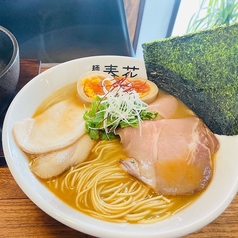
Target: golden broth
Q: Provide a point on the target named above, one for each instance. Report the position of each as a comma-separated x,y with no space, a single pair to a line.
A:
64,185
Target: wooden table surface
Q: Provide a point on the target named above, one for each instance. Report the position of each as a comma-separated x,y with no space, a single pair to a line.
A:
20,217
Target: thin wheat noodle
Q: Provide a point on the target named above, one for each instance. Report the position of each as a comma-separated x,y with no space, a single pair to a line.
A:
105,191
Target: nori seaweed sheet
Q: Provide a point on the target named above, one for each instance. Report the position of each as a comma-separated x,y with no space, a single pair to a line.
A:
201,69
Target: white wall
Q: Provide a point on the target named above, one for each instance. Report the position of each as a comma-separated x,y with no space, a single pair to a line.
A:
186,10
155,22
156,18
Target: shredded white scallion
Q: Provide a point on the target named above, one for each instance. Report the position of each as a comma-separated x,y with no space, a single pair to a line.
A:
122,106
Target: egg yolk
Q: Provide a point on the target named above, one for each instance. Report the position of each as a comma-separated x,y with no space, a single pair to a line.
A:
98,85
140,87
92,86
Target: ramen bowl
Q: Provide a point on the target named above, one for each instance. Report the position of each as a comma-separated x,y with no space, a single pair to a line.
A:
9,67
207,207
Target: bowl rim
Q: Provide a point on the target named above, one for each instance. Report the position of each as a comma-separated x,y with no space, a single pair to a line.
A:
98,228
15,50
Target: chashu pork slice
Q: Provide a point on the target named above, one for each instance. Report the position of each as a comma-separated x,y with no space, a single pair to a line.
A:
173,156
166,106
54,163
57,127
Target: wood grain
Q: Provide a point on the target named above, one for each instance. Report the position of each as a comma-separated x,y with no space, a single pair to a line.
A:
133,17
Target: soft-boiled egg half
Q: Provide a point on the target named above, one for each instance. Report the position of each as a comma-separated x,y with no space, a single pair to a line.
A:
93,84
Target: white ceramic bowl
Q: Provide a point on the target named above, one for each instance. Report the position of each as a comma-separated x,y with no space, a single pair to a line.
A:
204,210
